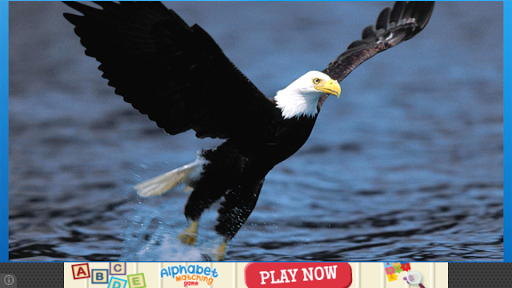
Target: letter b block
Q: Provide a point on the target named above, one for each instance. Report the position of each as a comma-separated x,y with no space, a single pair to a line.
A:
99,276
136,280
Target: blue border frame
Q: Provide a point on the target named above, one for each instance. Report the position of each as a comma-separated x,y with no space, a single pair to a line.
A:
4,131
507,137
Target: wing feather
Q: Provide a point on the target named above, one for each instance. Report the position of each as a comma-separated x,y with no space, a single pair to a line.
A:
173,72
383,19
393,26
397,12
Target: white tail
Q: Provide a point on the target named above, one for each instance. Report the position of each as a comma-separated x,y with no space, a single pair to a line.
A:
159,185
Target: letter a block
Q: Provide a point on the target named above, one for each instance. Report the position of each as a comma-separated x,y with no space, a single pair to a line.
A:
81,271
117,283
136,280
99,276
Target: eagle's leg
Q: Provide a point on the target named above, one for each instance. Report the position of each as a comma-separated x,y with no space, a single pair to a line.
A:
189,235
196,204
234,211
215,179
221,251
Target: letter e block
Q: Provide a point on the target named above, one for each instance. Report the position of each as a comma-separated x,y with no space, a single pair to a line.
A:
117,268
136,280
99,276
116,283
81,271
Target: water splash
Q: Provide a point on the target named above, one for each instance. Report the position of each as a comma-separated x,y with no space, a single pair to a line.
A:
151,236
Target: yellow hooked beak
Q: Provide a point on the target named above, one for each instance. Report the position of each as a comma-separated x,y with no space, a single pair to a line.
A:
330,86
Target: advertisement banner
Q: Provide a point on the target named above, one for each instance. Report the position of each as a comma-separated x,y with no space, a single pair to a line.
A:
256,275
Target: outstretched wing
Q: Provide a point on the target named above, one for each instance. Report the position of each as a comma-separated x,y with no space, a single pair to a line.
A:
173,72
393,26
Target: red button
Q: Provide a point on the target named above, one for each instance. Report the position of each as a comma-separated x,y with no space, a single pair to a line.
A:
298,275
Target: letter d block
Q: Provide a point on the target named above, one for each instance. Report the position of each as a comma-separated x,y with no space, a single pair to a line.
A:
117,283
136,280
81,271
99,276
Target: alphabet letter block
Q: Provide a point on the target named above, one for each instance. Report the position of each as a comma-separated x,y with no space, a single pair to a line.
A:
117,283
117,268
81,271
136,280
99,276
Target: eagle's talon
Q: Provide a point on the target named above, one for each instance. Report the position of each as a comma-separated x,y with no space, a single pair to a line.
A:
187,238
189,235
221,252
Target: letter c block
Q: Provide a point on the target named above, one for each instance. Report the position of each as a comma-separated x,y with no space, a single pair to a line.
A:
117,268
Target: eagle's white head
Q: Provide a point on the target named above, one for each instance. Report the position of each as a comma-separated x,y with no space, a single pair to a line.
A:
301,97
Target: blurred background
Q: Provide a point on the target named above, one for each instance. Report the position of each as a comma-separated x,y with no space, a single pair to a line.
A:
407,164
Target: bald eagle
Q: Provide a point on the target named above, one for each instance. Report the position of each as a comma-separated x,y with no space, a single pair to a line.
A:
179,77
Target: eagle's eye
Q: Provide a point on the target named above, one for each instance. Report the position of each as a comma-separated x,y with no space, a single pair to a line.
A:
316,80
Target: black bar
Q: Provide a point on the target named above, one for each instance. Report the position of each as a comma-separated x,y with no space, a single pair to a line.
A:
479,275
32,275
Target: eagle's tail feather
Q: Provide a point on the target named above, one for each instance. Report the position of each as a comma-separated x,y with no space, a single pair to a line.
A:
187,174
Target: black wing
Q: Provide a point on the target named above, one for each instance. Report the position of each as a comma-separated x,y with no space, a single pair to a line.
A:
174,73
393,26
